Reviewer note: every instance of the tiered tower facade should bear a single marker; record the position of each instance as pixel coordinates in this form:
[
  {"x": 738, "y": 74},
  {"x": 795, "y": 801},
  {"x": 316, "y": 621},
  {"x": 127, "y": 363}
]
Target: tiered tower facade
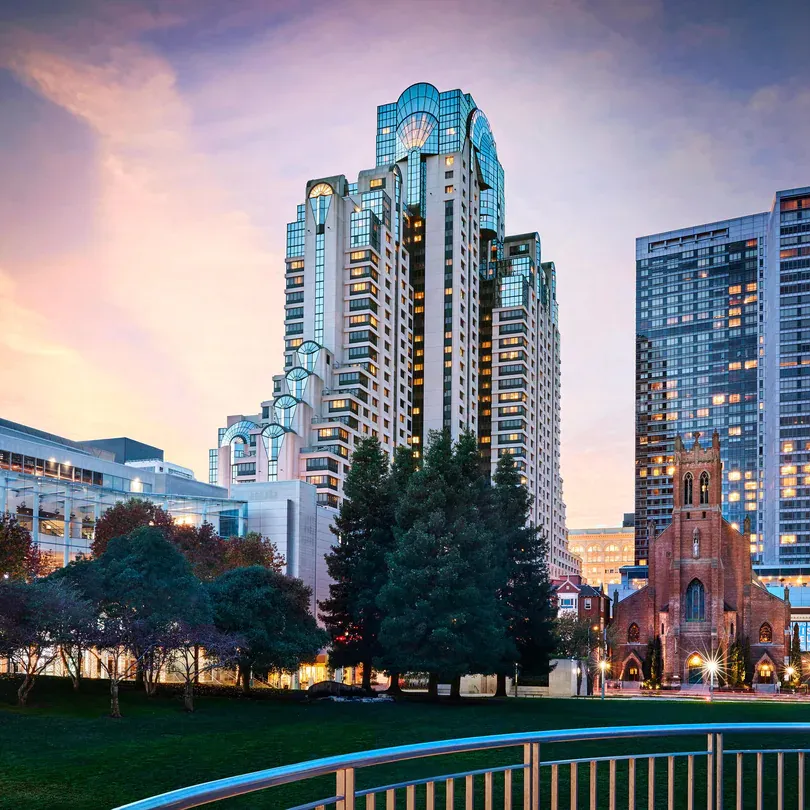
[{"x": 408, "y": 310}]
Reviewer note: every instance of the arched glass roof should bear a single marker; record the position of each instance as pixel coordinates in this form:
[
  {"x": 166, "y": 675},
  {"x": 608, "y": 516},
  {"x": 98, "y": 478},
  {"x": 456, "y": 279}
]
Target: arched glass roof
[
  {"x": 421, "y": 97},
  {"x": 239, "y": 430}
]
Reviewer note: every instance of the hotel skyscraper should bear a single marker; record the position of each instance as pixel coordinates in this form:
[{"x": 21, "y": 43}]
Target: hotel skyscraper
[
  {"x": 408, "y": 309},
  {"x": 720, "y": 347}
]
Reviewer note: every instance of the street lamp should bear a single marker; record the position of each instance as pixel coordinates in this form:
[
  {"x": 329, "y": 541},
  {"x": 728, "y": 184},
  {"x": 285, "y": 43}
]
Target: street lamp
[
  {"x": 711, "y": 668},
  {"x": 603, "y": 665}
]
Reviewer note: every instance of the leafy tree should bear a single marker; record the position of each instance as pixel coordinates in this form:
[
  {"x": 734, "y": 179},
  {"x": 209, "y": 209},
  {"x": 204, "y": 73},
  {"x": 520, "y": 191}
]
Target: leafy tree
[
  {"x": 19, "y": 555},
  {"x": 526, "y": 589},
  {"x": 357, "y": 564},
  {"x": 573, "y": 636},
  {"x": 142, "y": 587},
  {"x": 270, "y": 612},
  {"x": 252, "y": 549},
  {"x": 202, "y": 547},
  {"x": 441, "y": 611},
  {"x": 220, "y": 650},
  {"x": 35, "y": 620},
  {"x": 125, "y": 517},
  {"x": 796, "y": 656}
]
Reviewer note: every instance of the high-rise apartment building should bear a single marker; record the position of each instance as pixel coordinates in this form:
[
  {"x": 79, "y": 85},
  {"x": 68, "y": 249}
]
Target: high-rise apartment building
[
  {"x": 786, "y": 383},
  {"x": 408, "y": 310},
  {"x": 719, "y": 347}
]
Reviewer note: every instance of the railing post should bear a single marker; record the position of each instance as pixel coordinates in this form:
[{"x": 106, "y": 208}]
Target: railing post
[
  {"x": 801, "y": 780},
  {"x": 710, "y": 773},
  {"x": 344, "y": 779},
  {"x": 718, "y": 753},
  {"x": 531, "y": 776}
]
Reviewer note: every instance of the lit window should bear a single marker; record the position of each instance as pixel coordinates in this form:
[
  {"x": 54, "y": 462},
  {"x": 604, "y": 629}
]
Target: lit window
[
  {"x": 734, "y": 366},
  {"x": 750, "y": 363},
  {"x": 449, "y": 189},
  {"x": 734, "y": 475},
  {"x": 377, "y": 182},
  {"x": 718, "y": 399},
  {"x": 787, "y": 447},
  {"x": 449, "y": 160},
  {"x": 735, "y": 289},
  {"x": 735, "y": 431},
  {"x": 787, "y": 539}
]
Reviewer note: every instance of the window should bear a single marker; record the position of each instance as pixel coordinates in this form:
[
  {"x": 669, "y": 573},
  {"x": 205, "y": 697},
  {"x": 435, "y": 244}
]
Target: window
[
  {"x": 704, "y": 487},
  {"x": 765, "y": 634},
  {"x": 377, "y": 182},
  {"x": 633, "y": 634},
  {"x": 687, "y": 489},
  {"x": 588, "y": 604},
  {"x": 695, "y": 607},
  {"x": 448, "y": 189}
]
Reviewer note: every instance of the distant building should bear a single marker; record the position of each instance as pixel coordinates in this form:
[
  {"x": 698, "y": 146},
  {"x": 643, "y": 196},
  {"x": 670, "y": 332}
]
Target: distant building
[
  {"x": 58, "y": 489},
  {"x": 602, "y": 553},
  {"x": 702, "y": 594},
  {"x": 123, "y": 449}
]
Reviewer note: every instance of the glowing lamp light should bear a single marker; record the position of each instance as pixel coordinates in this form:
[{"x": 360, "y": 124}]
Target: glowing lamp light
[
  {"x": 603, "y": 665},
  {"x": 712, "y": 666},
  {"x": 695, "y": 660}
]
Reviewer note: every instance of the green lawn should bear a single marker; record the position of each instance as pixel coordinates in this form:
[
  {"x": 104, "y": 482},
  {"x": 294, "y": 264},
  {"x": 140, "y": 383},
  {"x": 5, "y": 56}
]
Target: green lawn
[{"x": 63, "y": 751}]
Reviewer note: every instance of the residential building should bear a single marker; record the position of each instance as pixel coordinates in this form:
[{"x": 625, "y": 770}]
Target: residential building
[
  {"x": 408, "y": 309},
  {"x": 786, "y": 386},
  {"x": 702, "y": 593},
  {"x": 574, "y": 596},
  {"x": 698, "y": 316},
  {"x": 602, "y": 552}
]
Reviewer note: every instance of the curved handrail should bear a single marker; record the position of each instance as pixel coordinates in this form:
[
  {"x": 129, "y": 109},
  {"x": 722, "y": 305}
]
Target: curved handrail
[{"x": 231, "y": 786}]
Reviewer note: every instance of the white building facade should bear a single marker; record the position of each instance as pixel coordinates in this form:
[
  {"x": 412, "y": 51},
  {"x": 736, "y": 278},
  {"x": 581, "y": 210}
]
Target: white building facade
[{"x": 408, "y": 310}]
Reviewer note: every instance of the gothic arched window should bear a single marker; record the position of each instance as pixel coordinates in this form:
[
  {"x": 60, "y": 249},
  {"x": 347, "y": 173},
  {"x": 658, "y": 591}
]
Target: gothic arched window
[
  {"x": 633, "y": 633},
  {"x": 687, "y": 489},
  {"x": 704, "y": 487},
  {"x": 695, "y": 603},
  {"x": 765, "y": 634}
]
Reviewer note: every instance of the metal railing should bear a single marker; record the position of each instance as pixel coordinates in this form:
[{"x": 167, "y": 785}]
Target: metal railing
[{"x": 611, "y": 780}]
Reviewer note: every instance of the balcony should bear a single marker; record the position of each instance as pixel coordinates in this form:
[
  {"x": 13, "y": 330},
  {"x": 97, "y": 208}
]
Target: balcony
[{"x": 694, "y": 766}]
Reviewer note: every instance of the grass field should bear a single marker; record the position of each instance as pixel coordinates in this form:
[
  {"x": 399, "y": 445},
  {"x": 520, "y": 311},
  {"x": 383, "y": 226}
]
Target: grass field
[{"x": 64, "y": 751}]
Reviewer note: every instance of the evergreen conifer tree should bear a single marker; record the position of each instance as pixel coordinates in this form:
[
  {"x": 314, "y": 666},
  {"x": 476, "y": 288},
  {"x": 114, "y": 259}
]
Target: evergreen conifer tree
[
  {"x": 357, "y": 563},
  {"x": 442, "y": 614},
  {"x": 525, "y": 588},
  {"x": 796, "y": 656}
]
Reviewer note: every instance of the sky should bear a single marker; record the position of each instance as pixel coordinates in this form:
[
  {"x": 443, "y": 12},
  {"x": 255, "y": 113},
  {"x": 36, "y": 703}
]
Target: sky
[{"x": 151, "y": 154}]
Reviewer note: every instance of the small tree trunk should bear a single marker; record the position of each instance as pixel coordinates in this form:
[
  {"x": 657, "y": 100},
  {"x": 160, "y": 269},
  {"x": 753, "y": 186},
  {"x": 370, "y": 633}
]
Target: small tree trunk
[
  {"x": 196, "y": 663},
  {"x": 366, "y": 676},
  {"x": 433, "y": 685},
  {"x": 579, "y": 677},
  {"x": 500, "y": 687},
  {"x": 455, "y": 687},
  {"x": 25, "y": 687},
  {"x": 115, "y": 706},
  {"x": 244, "y": 675},
  {"x": 188, "y": 696},
  {"x": 74, "y": 676},
  {"x": 393, "y": 687}
]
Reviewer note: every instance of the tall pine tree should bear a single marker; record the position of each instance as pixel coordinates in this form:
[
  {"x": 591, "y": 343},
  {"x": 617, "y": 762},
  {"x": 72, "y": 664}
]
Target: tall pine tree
[
  {"x": 357, "y": 564},
  {"x": 525, "y": 587},
  {"x": 796, "y": 656},
  {"x": 442, "y": 614}
]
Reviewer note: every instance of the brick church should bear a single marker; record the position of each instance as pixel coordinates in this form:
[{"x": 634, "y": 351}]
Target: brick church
[{"x": 702, "y": 593}]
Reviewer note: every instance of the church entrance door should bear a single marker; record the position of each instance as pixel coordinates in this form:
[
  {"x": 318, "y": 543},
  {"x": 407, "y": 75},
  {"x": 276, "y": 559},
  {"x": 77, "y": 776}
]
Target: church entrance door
[{"x": 694, "y": 670}]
